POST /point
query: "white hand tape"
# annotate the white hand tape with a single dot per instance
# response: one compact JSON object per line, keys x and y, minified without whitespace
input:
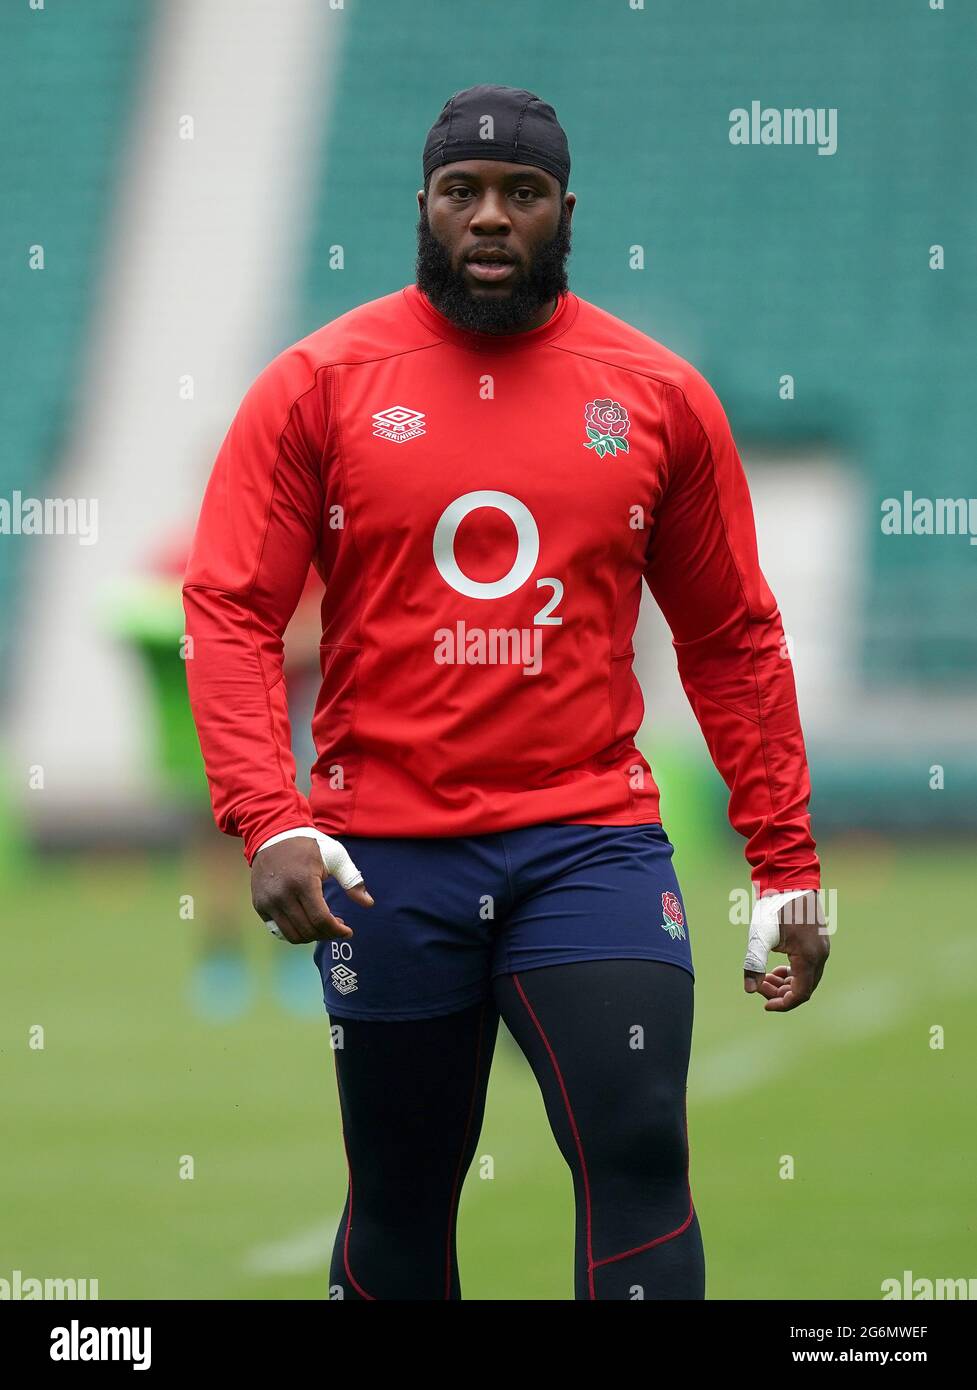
{"x":338,"y":863}
{"x":764,"y":934}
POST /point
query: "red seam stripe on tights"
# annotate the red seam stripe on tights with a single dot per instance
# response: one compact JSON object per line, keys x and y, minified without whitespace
{"x":349,"y":1214}
{"x":660,"y":1240}
{"x":464,"y":1143}
{"x":573,"y":1127}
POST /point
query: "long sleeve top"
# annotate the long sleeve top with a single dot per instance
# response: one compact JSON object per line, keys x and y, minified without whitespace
{"x":485,"y":511}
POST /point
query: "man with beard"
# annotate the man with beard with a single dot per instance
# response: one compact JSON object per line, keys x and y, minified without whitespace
{"x":484,"y":467}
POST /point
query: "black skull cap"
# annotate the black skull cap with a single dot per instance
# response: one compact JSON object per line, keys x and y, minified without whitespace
{"x":523,"y":130}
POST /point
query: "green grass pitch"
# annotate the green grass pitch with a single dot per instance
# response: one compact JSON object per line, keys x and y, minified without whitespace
{"x":880,"y":1125}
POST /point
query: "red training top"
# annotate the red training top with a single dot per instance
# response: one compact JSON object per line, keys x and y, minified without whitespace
{"x":483,"y":510}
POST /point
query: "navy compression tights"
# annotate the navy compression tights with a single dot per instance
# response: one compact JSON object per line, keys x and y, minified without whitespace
{"x":412,"y":1096}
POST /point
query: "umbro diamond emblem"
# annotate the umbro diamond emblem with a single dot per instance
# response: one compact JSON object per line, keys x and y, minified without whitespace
{"x":398,"y":424}
{"x":343,"y":979}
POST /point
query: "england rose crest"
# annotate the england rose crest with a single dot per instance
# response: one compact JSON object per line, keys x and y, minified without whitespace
{"x":674,"y":922}
{"x":607,"y":423}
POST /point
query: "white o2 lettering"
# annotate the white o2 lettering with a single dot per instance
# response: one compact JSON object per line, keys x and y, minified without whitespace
{"x":444,"y":544}
{"x":527,"y":551}
{"x":543,"y":616}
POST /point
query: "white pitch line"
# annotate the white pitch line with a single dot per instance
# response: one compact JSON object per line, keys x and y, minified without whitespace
{"x":856,"y":1012}
{"x":307,"y":1252}
{"x":850,"y":1014}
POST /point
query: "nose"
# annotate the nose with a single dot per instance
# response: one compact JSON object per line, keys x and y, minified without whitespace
{"x":489,"y":216}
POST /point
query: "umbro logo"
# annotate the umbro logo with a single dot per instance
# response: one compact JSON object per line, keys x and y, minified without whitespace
{"x":398,"y":424}
{"x":343,"y":979}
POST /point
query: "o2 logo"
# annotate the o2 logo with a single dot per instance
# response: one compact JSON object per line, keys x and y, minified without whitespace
{"x":527,"y":552}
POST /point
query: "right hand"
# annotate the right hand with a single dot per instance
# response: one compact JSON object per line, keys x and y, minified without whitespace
{"x":286,"y":888}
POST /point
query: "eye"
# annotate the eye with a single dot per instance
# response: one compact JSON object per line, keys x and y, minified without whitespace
{"x":459,"y":188}
{"x":530,"y":193}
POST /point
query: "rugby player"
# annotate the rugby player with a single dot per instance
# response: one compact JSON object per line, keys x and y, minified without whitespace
{"x":485,"y":469}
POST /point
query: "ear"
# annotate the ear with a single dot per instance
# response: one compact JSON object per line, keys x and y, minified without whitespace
{"x":570,"y":202}
{"x":420,"y":200}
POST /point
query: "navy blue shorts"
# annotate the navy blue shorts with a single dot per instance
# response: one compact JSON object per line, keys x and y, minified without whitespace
{"x":450,"y":914}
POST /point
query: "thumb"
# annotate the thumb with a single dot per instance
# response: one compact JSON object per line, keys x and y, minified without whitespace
{"x":764,"y":937}
{"x":338,"y":863}
{"x":361,"y":894}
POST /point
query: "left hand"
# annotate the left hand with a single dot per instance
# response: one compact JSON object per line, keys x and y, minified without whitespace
{"x":804,"y":940}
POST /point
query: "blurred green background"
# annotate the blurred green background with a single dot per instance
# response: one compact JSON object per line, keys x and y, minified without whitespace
{"x":209,"y":181}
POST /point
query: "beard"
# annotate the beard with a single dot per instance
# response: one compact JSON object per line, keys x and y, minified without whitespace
{"x":448,"y":291}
